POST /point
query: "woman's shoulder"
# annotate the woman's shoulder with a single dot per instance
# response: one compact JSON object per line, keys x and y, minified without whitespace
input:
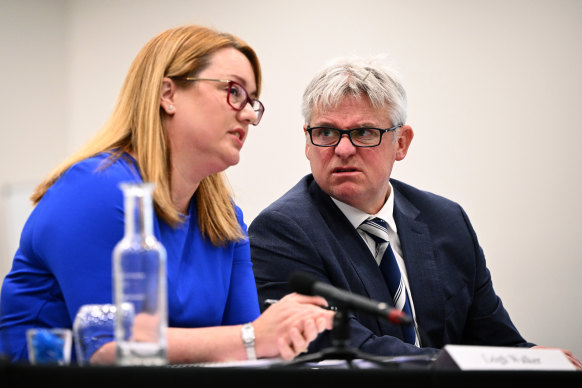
{"x":98,"y":172}
{"x":107,"y":165}
{"x":86,"y":197}
{"x":93,"y":179}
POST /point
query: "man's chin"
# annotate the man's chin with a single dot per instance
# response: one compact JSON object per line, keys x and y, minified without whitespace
{"x":345,"y":193}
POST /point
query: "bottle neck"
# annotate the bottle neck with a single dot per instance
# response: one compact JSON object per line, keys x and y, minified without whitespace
{"x":138,"y":209}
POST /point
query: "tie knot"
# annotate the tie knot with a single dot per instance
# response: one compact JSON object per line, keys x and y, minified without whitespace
{"x":377,"y":228}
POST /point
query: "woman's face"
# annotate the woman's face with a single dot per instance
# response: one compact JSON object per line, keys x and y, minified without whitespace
{"x":206,"y":134}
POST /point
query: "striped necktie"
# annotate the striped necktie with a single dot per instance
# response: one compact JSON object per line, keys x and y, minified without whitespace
{"x":377,"y":229}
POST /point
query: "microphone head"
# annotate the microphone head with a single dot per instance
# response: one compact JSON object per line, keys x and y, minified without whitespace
{"x":302,"y":282}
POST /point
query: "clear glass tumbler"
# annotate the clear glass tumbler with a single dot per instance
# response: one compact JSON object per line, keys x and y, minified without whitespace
{"x":94,"y":326}
{"x":49,"y":346}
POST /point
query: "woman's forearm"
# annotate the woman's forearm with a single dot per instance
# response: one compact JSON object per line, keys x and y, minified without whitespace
{"x":209,"y":344}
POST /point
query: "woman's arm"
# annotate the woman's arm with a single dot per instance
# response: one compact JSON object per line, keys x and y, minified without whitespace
{"x":284,"y":330}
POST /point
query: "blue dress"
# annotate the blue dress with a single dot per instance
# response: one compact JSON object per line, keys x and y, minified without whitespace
{"x":64,"y":260}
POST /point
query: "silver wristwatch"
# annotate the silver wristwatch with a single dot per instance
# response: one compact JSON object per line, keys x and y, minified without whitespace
{"x":248,"y":337}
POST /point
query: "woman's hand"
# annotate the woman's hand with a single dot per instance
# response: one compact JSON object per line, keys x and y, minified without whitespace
{"x":286,"y":328}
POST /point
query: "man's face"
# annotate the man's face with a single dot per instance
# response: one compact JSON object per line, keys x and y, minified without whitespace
{"x":355,"y":175}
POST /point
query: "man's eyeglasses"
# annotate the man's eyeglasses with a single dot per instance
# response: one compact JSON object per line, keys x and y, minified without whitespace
{"x":237,"y":96}
{"x":360,"y":137}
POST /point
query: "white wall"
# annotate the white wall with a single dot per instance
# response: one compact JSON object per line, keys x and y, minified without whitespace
{"x":33,"y":69}
{"x":494,"y":93}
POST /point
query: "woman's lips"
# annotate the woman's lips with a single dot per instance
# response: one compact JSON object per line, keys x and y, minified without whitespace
{"x":239,"y":134}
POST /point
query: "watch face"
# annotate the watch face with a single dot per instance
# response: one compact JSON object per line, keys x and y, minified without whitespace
{"x":248,"y":338}
{"x":248,"y":334}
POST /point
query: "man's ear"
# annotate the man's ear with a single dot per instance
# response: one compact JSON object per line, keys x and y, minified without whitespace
{"x":306,"y":141}
{"x":405,"y":135}
{"x":167,"y":96}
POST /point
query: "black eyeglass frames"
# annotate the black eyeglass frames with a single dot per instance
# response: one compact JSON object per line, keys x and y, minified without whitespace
{"x":359,"y":137}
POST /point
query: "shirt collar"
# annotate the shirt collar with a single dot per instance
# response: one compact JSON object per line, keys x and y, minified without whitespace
{"x":356,"y":216}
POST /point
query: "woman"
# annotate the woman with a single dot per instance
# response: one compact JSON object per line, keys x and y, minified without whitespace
{"x":181,"y":119}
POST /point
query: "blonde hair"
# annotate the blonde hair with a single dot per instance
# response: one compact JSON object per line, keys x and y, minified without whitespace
{"x":136,"y":126}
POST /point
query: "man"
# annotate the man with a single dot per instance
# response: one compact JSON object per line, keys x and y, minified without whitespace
{"x":327,"y":225}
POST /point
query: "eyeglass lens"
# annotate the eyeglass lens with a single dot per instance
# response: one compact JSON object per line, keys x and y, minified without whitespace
{"x":238,"y":98}
{"x":358,"y":136}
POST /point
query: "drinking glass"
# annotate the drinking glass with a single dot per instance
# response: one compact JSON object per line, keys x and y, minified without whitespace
{"x":94,"y":326}
{"x":49,"y":346}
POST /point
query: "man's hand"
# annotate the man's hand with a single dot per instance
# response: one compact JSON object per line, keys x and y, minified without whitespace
{"x":568,"y":354}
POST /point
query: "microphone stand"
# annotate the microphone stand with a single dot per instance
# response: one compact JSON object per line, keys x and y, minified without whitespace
{"x":340,"y":349}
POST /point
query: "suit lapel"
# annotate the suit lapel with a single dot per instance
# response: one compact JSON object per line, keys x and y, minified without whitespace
{"x":363,"y":270}
{"x":421,"y":266}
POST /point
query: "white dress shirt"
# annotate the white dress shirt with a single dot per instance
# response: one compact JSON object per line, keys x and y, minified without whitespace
{"x":356,"y":217}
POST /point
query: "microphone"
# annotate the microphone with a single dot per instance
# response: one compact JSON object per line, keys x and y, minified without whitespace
{"x":307,"y":284}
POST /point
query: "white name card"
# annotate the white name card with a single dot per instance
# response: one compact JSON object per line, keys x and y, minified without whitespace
{"x":501,"y":358}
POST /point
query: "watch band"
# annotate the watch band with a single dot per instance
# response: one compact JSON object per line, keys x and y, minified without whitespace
{"x":248,"y":337}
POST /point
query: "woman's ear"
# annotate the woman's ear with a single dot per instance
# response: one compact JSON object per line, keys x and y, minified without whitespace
{"x":167,"y":96}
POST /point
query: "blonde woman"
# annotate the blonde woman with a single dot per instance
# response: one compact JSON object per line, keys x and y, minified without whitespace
{"x":182,"y":117}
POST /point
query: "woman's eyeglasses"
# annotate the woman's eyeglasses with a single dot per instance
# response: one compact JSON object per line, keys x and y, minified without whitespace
{"x":237,"y":96}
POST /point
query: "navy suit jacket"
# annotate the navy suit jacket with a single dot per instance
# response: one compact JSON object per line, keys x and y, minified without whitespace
{"x":450,"y":284}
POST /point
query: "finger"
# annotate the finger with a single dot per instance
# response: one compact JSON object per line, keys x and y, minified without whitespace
{"x":567,"y":352}
{"x":310,"y":331}
{"x":572,"y":358}
{"x":575,"y":362}
{"x":323,"y":324}
{"x":306,"y":299}
{"x":317,"y":300}
{"x":298,"y":343}
{"x":285,"y":350}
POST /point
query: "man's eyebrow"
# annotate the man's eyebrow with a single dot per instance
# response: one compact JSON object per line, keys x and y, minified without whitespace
{"x":363,"y":125}
{"x":323,"y":124}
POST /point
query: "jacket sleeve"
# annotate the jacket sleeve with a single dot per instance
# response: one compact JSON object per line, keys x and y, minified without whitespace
{"x":281,"y":245}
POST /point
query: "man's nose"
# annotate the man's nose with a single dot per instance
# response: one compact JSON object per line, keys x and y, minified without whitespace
{"x":345,"y":146}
